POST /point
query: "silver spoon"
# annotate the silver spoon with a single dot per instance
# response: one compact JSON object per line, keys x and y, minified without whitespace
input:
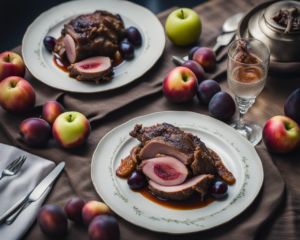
{"x":229,"y":27}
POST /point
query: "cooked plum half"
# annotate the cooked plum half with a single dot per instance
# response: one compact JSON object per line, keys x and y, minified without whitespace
{"x":98,"y":69}
{"x":167,"y":171}
{"x":183,"y":191}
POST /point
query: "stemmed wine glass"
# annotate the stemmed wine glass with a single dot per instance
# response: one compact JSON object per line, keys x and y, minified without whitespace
{"x":246,"y":81}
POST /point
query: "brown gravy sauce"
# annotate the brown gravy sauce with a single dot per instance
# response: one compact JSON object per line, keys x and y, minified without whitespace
{"x":193,"y":202}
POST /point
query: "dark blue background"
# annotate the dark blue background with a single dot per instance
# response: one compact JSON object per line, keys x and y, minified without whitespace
{"x":17,"y":15}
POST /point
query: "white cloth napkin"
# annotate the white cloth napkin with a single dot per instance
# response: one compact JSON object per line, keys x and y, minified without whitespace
{"x":12,"y":189}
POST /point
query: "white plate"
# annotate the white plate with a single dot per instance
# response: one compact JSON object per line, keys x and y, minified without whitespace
{"x":40,"y":62}
{"x":236,"y":152}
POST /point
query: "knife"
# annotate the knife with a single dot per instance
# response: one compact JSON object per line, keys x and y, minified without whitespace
{"x":34,"y":195}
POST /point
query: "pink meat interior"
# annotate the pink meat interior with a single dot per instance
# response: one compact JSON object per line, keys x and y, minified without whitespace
{"x":165,"y":172}
{"x":90,"y":65}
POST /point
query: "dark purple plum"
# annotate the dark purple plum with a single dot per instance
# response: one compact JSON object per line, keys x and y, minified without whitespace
{"x":207,"y":89}
{"x":192,"y":51}
{"x":219,"y":189}
{"x":52,"y":220}
{"x":119,"y":18}
{"x":292,"y":106}
{"x":126,"y":49}
{"x":73,"y":209}
{"x":133,"y":35}
{"x":136,"y":180}
{"x":35,"y":132}
{"x":49,"y":43}
{"x":221,"y":106}
{"x":196,"y":68}
{"x":104,"y":227}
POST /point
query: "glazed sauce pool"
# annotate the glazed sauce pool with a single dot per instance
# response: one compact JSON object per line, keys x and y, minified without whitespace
{"x":61,"y":64}
{"x":64,"y":64}
{"x":193,"y":202}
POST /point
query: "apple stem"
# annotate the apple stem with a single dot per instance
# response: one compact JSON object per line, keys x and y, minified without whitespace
{"x":70,"y":117}
{"x":8,"y":57}
{"x":182,"y":14}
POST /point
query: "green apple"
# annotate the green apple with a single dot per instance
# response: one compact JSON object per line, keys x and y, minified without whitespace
{"x":183,"y":26}
{"x":71,"y":129}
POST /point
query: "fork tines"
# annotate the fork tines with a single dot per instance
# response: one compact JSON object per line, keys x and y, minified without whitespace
{"x":17,"y":164}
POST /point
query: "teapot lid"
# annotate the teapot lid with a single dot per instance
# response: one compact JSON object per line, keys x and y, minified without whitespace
{"x":273,"y":9}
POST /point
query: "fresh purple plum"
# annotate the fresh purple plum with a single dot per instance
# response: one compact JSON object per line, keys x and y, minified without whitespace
{"x":136,"y":180}
{"x":292,"y":106}
{"x":119,"y":18}
{"x":133,"y":35}
{"x":192,"y":51}
{"x":196,"y":68}
{"x":73,"y":209}
{"x":104,"y":227}
{"x":219,"y":189}
{"x":126,"y":49}
{"x":221,"y":106}
{"x":206,"y":58}
{"x":207,"y":89}
{"x":49,"y":43}
{"x":35,"y":132}
{"x":52,"y":220}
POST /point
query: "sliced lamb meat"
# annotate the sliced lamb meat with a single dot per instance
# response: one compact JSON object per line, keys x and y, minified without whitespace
{"x":91,"y":35}
{"x":98,"y":69}
{"x":166,"y":171}
{"x":176,"y":149}
{"x":183,"y":191}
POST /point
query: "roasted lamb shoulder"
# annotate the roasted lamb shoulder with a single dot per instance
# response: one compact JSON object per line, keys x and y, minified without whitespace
{"x":89,"y":35}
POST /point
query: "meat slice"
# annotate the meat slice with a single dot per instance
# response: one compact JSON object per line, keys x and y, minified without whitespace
{"x":89,"y":35}
{"x":166,"y":171}
{"x":183,"y":191}
{"x":98,"y":69}
{"x":176,"y":149}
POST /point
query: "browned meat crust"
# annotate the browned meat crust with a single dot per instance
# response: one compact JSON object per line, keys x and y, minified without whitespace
{"x":95,"y":34}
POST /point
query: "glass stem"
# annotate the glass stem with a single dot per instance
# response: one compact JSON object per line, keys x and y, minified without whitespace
{"x":241,"y":123}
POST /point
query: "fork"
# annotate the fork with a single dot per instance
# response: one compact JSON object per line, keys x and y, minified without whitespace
{"x":14,"y":167}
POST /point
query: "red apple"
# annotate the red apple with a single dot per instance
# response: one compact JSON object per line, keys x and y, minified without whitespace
{"x":11,"y":64}
{"x":71,"y":129}
{"x":35,"y":132}
{"x":206,"y":58}
{"x":281,"y":134}
{"x":51,"y":110}
{"x":180,"y":85}
{"x":93,"y":209}
{"x":196,"y":68}
{"x":16,"y":95}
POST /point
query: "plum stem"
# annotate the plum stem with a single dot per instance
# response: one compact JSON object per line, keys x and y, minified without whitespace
{"x":182,"y":14}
